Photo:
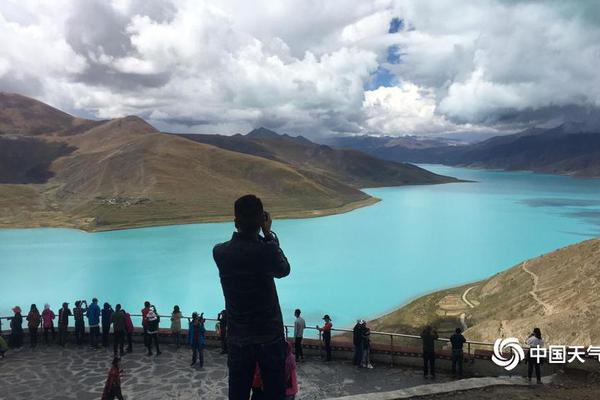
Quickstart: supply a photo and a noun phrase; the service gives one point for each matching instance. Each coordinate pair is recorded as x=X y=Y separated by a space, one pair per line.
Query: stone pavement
x=49 y=372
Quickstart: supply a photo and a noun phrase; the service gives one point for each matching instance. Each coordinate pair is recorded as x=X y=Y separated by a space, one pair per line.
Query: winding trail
x=547 y=308
x=462 y=317
x=464 y=297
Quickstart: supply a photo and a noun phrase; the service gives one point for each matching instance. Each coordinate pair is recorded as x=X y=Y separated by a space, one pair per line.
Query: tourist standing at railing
x=534 y=340
x=299 y=326
x=153 y=321
x=33 y=323
x=129 y=330
x=176 y=326
x=118 y=323
x=357 y=338
x=78 y=314
x=248 y=264
x=93 y=315
x=326 y=331
x=429 y=336
x=366 y=346
x=457 y=340
x=222 y=318
x=63 y=324
x=107 y=313
x=145 y=312
x=48 y=322
x=112 y=387
x=291 y=380
x=196 y=338
x=16 y=328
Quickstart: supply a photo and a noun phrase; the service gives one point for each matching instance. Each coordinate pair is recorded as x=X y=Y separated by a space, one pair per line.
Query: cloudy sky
x=307 y=66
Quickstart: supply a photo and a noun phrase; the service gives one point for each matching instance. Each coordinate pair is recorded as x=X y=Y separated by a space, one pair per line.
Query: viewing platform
x=79 y=372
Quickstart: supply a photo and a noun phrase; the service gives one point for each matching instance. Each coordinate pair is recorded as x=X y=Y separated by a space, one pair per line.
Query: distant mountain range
x=59 y=170
x=569 y=149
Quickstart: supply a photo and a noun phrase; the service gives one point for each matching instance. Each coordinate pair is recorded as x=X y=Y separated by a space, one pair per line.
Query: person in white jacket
x=534 y=340
x=299 y=326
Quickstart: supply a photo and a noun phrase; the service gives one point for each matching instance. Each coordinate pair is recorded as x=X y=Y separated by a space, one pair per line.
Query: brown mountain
x=557 y=292
x=349 y=166
x=21 y=115
x=124 y=173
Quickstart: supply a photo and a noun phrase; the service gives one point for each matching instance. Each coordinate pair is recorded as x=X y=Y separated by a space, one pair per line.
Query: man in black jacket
x=457 y=340
x=429 y=336
x=247 y=265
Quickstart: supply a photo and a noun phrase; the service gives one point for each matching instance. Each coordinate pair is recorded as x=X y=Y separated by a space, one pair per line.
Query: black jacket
x=457 y=341
x=429 y=338
x=247 y=265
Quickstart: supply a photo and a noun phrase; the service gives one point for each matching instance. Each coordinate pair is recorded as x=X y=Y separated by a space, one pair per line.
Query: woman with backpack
x=33 y=322
x=152 y=322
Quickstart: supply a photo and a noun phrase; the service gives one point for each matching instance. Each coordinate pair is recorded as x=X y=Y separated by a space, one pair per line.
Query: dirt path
x=463 y=316
x=547 y=308
x=464 y=297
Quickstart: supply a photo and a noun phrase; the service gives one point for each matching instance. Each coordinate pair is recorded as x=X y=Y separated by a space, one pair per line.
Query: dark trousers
x=358 y=354
x=16 y=338
x=429 y=363
x=198 y=354
x=33 y=336
x=46 y=330
x=298 y=348
x=63 y=332
x=327 y=340
x=153 y=337
x=223 y=340
x=94 y=333
x=176 y=339
x=129 y=342
x=105 y=333
x=146 y=336
x=119 y=342
x=457 y=361
x=242 y=363
x=79 y=332
x=115 y=394
x=531 y=364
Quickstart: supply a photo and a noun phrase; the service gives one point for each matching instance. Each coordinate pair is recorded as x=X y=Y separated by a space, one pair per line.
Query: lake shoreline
x=345 y=208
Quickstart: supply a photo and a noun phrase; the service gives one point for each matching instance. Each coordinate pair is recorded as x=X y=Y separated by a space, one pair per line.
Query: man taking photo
x=248 y=264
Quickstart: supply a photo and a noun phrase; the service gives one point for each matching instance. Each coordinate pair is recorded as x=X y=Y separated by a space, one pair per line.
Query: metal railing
x=394 y=340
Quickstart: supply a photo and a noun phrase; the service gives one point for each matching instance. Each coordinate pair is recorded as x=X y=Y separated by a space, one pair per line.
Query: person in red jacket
x=145 y=312
x=326 y=330
x=129 y=331
x=112 y=388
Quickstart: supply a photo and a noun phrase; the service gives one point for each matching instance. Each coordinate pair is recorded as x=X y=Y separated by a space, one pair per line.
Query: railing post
x=286 y=333
x=392 y=350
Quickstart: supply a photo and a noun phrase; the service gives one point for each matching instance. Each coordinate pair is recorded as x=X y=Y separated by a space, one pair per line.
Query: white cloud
x=401 y=109
x=303 y=65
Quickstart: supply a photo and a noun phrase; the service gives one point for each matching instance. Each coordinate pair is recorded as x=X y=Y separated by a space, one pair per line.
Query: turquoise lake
x=354 y=265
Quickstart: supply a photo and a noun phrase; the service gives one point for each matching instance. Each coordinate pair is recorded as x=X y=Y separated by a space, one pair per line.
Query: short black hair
x=146 y=304
x=249 y=213
x=458 y=330
x=297 y=311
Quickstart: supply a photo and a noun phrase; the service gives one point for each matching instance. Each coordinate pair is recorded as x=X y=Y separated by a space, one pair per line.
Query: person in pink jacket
x=291 y=380
x=48 y=322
